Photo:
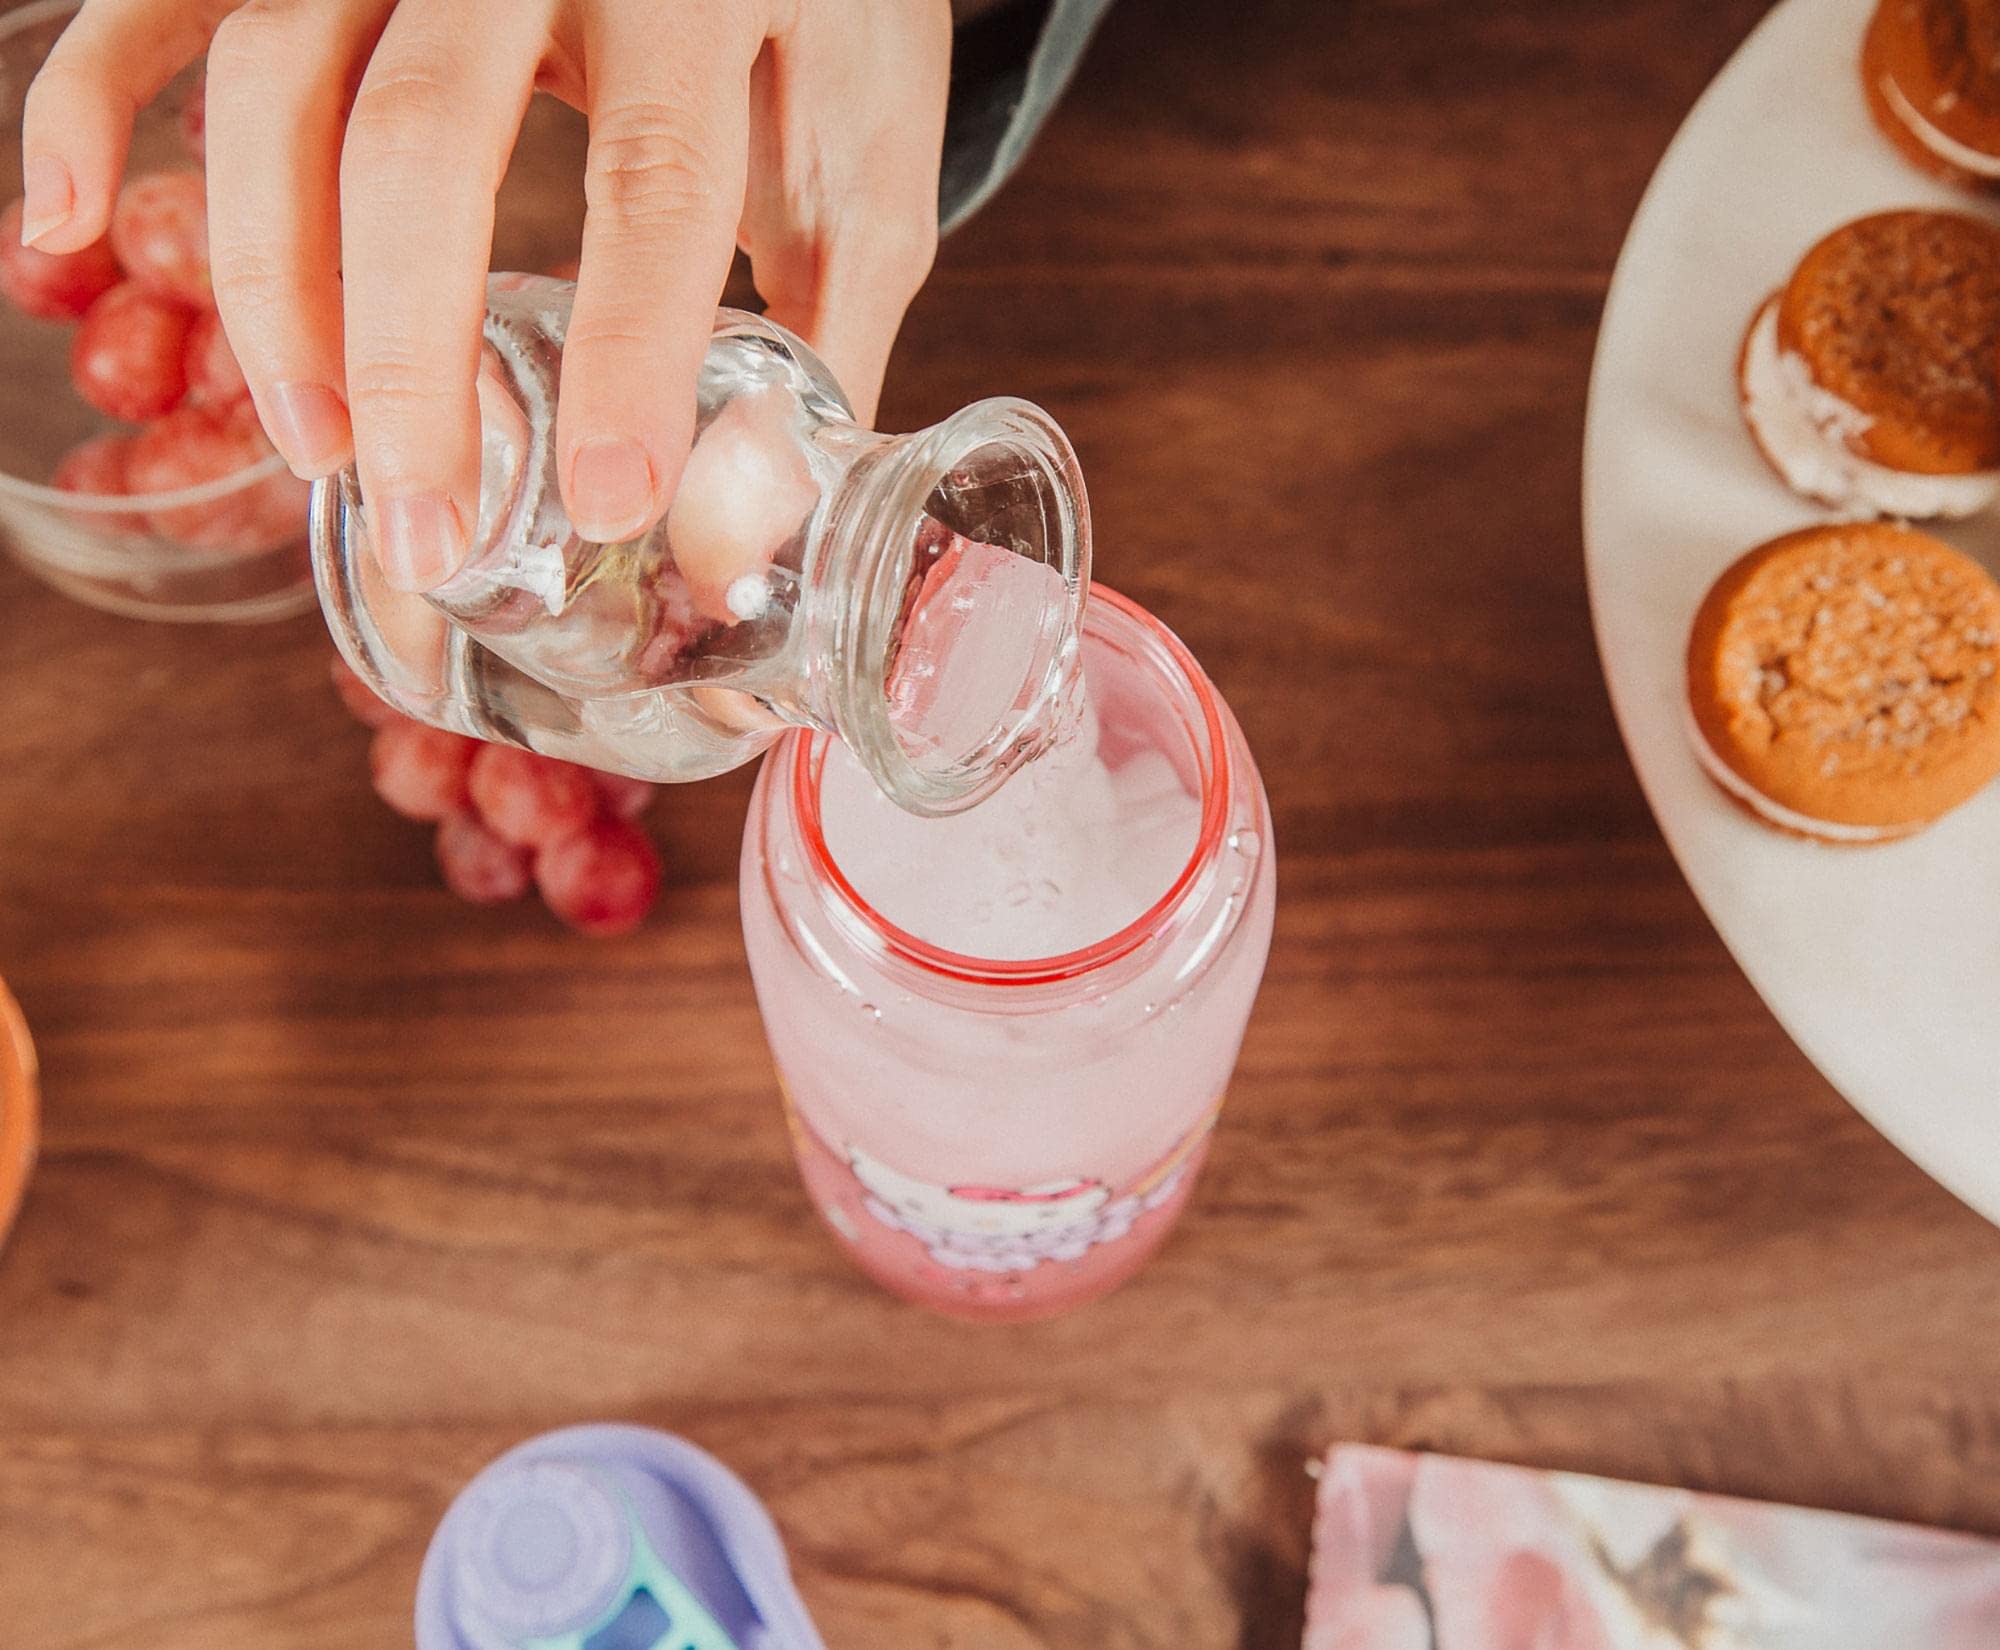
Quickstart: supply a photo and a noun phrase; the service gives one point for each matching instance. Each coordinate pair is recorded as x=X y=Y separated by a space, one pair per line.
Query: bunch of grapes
x=509 y=818
x=149 y=350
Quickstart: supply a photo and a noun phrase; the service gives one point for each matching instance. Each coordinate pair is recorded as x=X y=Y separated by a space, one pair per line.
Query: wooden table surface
x=347 y=1186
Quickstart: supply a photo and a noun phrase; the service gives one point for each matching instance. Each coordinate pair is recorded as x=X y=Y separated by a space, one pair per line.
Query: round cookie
x=1808 y=436
x=1928 y=68
x=1844 y=681
x=1898 y=317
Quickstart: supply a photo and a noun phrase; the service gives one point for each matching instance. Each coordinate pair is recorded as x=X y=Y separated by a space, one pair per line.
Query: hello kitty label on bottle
x=1033 y=1247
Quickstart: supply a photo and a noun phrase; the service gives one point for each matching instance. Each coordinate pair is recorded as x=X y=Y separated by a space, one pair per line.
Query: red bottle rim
x=808 y=761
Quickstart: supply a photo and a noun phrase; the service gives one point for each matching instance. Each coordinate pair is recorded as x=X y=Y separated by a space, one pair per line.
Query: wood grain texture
x=347 y=1186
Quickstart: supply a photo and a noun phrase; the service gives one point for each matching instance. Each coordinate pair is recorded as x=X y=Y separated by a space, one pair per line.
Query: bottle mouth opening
x=963 y=653
x=1117 y=622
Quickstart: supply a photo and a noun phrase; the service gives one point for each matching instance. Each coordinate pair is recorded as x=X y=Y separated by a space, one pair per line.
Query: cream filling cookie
x=1945 y=147
x=1808 y=433
x=1777 y=813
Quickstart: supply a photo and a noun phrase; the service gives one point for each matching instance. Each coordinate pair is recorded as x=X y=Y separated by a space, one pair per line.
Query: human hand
x=354 y=150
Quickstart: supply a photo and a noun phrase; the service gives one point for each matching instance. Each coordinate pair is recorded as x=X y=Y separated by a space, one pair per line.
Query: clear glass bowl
x=102 y=550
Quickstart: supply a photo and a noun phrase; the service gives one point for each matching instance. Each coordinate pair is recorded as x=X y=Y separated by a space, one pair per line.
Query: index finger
x=669 y=145
x=427 y=142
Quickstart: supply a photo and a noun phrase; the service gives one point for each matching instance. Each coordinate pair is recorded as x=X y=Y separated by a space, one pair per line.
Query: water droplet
x=872 y=1012
x=1247 y=843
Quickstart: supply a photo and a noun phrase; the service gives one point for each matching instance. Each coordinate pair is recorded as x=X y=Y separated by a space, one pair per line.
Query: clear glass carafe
x=917 y=596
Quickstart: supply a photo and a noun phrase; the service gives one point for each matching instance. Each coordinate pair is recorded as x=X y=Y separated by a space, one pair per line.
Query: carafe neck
x=943 y=599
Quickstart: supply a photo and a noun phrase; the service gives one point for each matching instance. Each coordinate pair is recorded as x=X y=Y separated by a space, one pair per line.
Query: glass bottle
x=917 y=596
x=1006 y=1137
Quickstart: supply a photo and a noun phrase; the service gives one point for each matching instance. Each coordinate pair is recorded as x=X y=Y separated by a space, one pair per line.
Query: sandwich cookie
x=1870 y=381
x=1931 y=72
x=1844 y=681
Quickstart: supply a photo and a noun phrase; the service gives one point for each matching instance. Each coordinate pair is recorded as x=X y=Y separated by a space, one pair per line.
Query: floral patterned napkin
x=1429 y=1552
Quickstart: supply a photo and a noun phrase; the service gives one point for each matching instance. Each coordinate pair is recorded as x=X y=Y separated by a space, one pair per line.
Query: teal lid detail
x=654 y=1610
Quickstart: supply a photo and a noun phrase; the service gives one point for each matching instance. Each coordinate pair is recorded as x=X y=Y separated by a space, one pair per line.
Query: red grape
x=530 y=800
x=99 y=467
x=600 y=880
x=194 y=445
x=159 y=229
x=128 y=358
x=56 y=286
x=420 y=771
x=194 y=121
x=95 y=466
x=275 y=509
x=678 y=626
x=623 y=797
x=362 y=702
x=214 y=379
x=477 y=865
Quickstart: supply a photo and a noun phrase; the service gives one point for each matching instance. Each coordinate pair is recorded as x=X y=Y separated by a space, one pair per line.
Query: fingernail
x=611 y=488
x=308 y=422
x=48 y=196
x=419 y=539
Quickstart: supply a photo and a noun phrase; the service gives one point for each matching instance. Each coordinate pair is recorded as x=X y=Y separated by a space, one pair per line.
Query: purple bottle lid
x=608 y=1538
